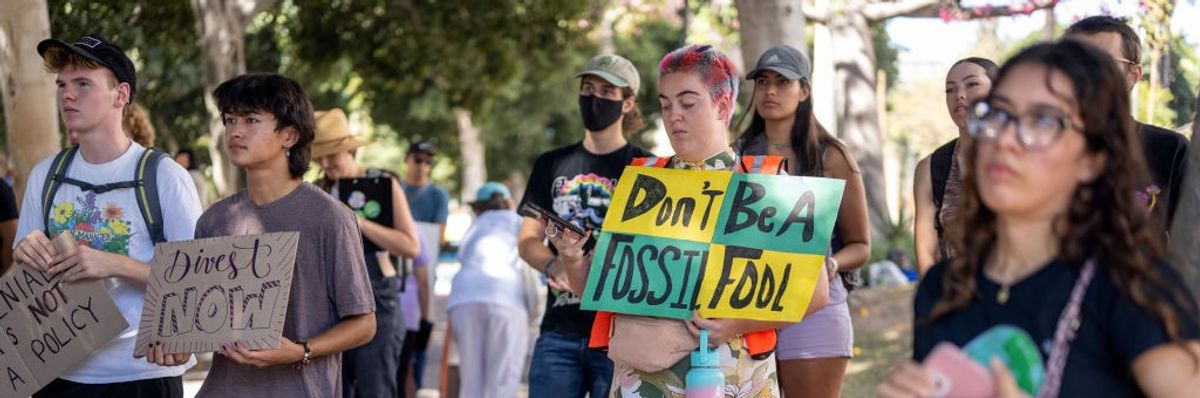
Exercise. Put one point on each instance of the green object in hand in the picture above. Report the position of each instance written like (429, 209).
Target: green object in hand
(1016, 349)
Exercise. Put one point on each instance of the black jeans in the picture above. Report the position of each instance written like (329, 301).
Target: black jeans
(370, 370)
(166, 387)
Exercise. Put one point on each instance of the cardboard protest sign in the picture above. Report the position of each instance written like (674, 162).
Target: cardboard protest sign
(207, 292)
(50, 326)
(747, 246)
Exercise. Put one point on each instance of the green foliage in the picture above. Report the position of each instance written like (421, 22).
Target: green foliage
(885, 53)
(1185, 68)
(411, 63)
(161, 39)
(645, 47)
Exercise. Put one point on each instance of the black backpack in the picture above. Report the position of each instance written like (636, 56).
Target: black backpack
(144, 182)
(939, 170)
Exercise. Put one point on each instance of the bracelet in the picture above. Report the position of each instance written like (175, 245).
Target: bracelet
(834, 267)
(307, 359)
(546, 269)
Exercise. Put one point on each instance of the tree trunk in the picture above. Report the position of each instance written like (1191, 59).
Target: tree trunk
(768, 23)
(1185, 229)
(221, 25)
(1048, 33)
(858, 114)
(30, 104)
(823, 72)
(474, 171)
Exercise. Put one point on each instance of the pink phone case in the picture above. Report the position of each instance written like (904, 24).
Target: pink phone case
(956, 375)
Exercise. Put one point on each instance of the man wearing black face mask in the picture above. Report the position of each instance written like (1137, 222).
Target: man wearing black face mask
(577, 182)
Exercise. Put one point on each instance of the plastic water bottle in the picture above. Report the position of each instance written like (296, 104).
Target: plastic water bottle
(705, 380)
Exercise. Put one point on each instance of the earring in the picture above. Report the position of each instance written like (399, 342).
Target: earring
(287, 152)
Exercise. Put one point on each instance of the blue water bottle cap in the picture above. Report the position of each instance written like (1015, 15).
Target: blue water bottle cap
(704, 356)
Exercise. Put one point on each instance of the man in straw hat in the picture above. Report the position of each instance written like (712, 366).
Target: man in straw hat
(388, 230)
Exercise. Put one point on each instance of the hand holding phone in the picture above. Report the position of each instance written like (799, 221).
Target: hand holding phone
(957, 375)
(556, 224)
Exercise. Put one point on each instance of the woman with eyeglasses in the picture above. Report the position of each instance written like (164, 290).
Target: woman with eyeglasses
(1054, 242)
(937, 181)
(812, 354)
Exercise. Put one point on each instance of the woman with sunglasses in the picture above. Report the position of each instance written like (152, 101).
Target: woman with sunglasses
(937, 182)
(812, 354)
(1054, 242)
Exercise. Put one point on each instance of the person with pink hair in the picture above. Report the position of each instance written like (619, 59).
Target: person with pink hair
(698, 90)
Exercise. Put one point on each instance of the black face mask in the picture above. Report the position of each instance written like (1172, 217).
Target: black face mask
(598, 113)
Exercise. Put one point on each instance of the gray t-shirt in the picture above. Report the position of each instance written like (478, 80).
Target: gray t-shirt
(329, 283)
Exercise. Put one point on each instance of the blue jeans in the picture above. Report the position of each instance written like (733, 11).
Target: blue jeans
(563, 366)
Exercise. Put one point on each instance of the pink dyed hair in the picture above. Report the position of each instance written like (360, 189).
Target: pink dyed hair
(716, 71)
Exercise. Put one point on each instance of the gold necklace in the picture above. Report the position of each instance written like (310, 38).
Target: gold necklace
(1002, 295)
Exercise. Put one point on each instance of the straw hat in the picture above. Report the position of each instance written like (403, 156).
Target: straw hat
(333, 134)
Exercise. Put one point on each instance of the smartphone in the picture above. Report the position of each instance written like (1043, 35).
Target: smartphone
(956, 375)
(535, 211)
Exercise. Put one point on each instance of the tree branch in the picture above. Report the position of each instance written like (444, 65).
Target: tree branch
(878, 11)
(949, 9)
(812, 13)
(985, 12)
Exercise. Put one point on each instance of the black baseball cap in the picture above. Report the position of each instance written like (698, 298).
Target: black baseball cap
(104, 52)
(421, 147)
(785, 60)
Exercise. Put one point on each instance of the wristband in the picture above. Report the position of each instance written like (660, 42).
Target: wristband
(307, 359)
(546, 269)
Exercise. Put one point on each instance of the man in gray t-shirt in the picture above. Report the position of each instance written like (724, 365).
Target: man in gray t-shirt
(269, 128)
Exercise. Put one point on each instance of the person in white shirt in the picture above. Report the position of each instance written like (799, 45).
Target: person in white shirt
(487, 302)
(96, 82)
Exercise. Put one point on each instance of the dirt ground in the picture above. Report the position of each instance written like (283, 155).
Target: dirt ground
(882, 335)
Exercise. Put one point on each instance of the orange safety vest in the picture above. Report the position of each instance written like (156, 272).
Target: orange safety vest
(760, 344)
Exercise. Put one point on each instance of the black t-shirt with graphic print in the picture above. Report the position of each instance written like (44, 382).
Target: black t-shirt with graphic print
(578, 186)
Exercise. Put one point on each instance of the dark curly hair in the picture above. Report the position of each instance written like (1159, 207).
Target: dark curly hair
(1119, 235)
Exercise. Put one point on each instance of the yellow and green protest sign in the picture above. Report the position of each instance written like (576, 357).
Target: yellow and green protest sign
(728, 245)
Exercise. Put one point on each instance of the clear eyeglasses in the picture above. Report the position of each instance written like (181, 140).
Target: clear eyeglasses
(1035, 130)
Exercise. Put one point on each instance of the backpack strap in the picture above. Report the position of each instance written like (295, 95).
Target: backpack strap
(939, 171)
(145, 182)
(54, 179)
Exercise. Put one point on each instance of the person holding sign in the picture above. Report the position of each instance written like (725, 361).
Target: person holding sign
(937, 181)
(812, 354)
(1056, 245)
(94, 196)
(576, 182)
(699, 87)
(387, 231)
(269, 127)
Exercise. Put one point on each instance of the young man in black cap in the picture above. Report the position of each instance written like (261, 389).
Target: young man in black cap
(430, 205)
(577, 183)
(96, 82)
(1165, 150)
